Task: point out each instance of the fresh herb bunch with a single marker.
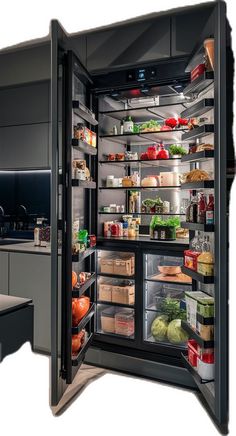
(157, 221)
(177, 149)
(171, 308)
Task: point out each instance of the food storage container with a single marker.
(123, 267)
(109, 181)
(192, 352)
(205, 264)
(198, 302)
(166, 178)
(107, 266)
(123, 294)
(190, 259)
(124, 322)
(165, 233)
(105, 292)
(205, 331)
(206, 366)
(108, 320)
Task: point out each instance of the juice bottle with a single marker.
(210, 210)
(201, 209)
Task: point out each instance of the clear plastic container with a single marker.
(124, 322)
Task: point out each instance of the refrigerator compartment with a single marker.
(79, 257)
(80, 290)
(201, 107)
(144, 138)
(198, 226)
(83, 112)
(194, 335)
(198, 277)
(198, 156)
(198, 132)
(200, 84)
(116, 263)
(115, 320)
(193, 371)
(160, 267)
(164, 297)
(117, 291)
(84, 320)
(84, 147)
(157, 332)
(202, 184)
(78, 358)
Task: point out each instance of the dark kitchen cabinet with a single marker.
(24, 146)
(4, 273)
(30, 277)
(186, 28)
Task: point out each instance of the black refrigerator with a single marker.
(137, 85)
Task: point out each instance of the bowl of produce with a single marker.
(177, 151)
(169, 270)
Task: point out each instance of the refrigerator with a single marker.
(129, 279)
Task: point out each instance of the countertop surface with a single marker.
(25, 247)
(9, 303)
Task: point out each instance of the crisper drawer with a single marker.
(159, 330)
(118, 291)
(117, 321)
(116, 263)
(163, 268)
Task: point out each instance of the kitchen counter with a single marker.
(25, 247)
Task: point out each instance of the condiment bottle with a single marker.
(193, 210)
(201, 209)
(210, 210)
(128, 125)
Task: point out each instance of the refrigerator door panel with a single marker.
(213, 385)
(72, 295)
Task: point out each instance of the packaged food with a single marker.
(124, 322)
(192, 352)
(120, 156)
(108, 320)
(205, 264)
(149, 181)
(197, 71)
(124, 266)
(123, 294)
(107, 266)
(110, 181)
(105, 292)
(111, 156)
(127, 182)
(209, 49)
(205, 331)
(195, 176)
(75, 231)
(190, 259)
(198, 302)
(206, 367)
(107, 228)
(115, 229)
(166, 178)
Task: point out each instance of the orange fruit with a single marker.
(74, 279)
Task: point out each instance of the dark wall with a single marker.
(32, 189)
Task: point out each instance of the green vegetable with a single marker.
(148, 202)
(175, 333)
(177, 149)
(171, 308)
(157, 221)
(159, 327)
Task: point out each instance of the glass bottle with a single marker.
(210, 210)
(193, 210)
(201, 209)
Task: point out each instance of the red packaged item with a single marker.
(115, 229)
(197, 71)
(192, 352)
(182, 121)
(162, 153)
(143, 156)
(171, 122)
(190, 259)
(92, 240)
(152, 152)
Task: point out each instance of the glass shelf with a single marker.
(199, 108)
(144, 138)
(200, 84)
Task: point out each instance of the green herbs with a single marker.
(177, 149)
(151, 124)
(171, 308)
(150, 202)
(171, 222)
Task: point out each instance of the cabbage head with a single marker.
(159, 327)
(175, 333)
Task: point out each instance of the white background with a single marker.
(113, 405)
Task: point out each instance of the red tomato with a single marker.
(143, 156)
(80, 307)
(171, 122)
(74, 279)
